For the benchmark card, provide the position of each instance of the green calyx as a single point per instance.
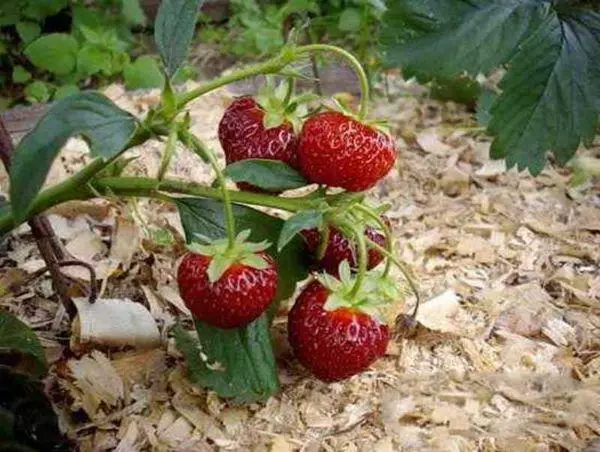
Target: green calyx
(377, 292)
(281, 105)
(224, 255)
(338, 104)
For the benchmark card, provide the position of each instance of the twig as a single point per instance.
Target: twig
(93, 294)
(46, 240)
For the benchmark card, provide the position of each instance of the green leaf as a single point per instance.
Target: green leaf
(239, 363)
(66, 91)
(246, 370)
(350, 20)
(472, 36)
(307, 219)
(92, 59)
(9, 13)
(90, 114)
(143, 73)
(55, 52)
(39, 10)
(17, 338)
(174, 29)
(28, 31)
(551, 95)
(37, 92)
(20, 75)
(271, 175)
(133, 12)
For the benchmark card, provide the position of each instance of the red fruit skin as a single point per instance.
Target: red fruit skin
(240, 296)
(243, 136)
(340, 248)
(333, 345)
(338, 151)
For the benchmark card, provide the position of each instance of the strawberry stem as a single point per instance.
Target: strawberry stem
(291, 87)
(168, 153)
(205, 153)
(271, 66)
(404, 272)
(359, 233)
(360, 71)
(386, 231)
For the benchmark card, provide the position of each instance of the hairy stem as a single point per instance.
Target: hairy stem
(168, 153)
(203, 151)
(402, 269)
(360, 71)
(271, 66)
(359, 234)
(386, 231)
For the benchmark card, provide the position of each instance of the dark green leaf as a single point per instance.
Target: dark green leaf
(245, 356)
(18, 340)
(472, 36)
(174, 29)
(55, 52)
(38, 10)
(133, 12)
(20, 75)
(90, 114)
(551, 95)
(271, 175)
(143, 73)
(307, 219)
(239, 363)
(37, 92)
(9, 13)
(28, 31)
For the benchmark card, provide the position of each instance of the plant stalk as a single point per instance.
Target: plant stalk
(203, 151)
(362, 261)
(360, 71)
(404, 272)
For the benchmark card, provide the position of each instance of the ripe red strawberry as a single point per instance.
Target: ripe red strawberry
(333, 345)
(243, 135)
(340, 248)
(239, 296)
(338, 151)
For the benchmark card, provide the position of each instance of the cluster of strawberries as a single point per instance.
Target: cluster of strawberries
(331, 149)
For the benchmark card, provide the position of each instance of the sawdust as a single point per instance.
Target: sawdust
(506, 356)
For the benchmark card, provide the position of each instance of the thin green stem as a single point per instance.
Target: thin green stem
(270, 66)
(76, 188)
(203, 151)
(168, 153)
(291, 87)
(402, 269)
(386, 231)
(360, 71)
(362, 260)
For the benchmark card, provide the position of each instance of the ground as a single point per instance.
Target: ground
(506, 355)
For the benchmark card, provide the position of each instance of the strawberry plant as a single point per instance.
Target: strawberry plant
(549, 99)
(50, 49)
(242, 262)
